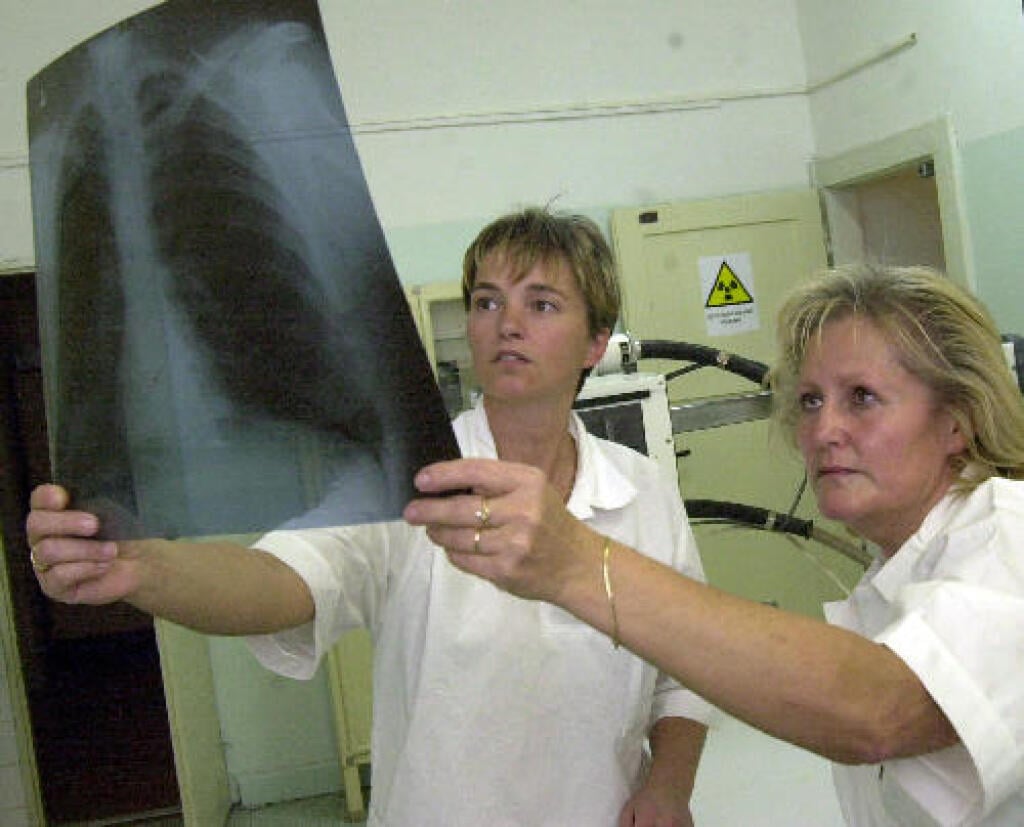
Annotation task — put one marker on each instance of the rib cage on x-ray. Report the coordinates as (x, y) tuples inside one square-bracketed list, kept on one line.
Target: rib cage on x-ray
[(232, 342), (90, 292), (239, 268)]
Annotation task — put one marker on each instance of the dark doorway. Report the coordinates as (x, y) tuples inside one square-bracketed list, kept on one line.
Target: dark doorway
[(92, 674)]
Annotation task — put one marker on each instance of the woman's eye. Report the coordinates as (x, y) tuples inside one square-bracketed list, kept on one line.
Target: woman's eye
[(810, 401), (485, 303), (862, 396), (545, 306)]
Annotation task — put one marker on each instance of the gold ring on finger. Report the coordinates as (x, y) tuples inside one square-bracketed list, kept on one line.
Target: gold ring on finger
[(42, 568), (483, 513)]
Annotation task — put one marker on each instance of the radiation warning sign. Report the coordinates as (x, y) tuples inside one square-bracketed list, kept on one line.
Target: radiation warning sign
[(727, 289)]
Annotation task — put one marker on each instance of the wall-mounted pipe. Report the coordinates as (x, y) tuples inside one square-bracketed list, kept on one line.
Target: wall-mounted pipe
[(568, 112)]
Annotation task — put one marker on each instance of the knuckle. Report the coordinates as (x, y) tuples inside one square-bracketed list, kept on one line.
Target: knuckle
[(32, 524)]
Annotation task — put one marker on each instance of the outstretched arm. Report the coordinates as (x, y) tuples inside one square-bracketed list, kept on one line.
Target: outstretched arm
[(215, 588), (799, 679)]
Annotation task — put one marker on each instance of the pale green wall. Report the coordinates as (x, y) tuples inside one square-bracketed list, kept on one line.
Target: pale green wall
[(994, 190), (278, 733), (433, 252)]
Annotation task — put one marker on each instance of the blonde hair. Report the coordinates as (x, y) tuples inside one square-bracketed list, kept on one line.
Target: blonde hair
[(942, 335), (535, 235)]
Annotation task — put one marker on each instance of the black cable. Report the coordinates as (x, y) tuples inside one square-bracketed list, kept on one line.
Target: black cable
[(748, 515), (675, 374), (756, 372), (799, 495), (763, 519)]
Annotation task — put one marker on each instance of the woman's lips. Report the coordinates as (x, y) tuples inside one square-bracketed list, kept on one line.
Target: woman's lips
[(834, 471), (510, 356)]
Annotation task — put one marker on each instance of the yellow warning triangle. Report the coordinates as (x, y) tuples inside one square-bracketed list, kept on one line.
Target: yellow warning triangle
[(728, 289)]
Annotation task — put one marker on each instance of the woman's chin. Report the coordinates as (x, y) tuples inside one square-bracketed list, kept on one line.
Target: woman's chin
[(836, 506)]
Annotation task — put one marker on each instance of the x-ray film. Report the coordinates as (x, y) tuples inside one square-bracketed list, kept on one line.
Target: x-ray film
[(226, 345)]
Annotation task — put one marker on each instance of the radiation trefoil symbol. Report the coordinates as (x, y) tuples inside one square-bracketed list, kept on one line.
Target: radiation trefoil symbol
[(728, 290)]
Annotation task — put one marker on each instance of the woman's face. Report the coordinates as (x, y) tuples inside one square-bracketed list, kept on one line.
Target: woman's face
[(876, 446), (530, 337)]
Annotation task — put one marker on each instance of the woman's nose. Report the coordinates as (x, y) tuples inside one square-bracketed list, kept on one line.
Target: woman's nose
[(830, 423), (511, 322)]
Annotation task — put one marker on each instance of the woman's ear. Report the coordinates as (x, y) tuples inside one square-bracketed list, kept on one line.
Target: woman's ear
[(598, 345), (956, 441)]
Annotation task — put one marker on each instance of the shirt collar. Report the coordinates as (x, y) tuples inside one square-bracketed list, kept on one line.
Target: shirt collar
[(898, 570), (599, 484)]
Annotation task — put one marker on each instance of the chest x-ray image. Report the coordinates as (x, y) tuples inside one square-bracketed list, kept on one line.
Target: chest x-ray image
[(226, 345)]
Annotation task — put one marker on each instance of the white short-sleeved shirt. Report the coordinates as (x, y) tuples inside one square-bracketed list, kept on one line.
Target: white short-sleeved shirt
[(950, 603), (489, 709)]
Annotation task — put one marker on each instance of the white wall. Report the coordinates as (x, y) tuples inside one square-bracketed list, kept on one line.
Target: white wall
[(546, 63), (968, 63), (33, 35), (457, 59), (967, 66)]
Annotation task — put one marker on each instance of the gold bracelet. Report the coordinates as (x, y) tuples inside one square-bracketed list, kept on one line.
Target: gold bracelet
[(609, 592)]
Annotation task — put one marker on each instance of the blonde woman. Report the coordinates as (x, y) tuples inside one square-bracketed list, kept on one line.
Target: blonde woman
[(894, 387)]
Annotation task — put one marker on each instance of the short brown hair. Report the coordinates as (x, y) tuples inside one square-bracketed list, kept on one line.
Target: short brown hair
[(535, 235)]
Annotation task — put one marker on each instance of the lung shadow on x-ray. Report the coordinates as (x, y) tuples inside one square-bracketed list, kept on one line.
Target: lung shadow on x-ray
[(226, 344)]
